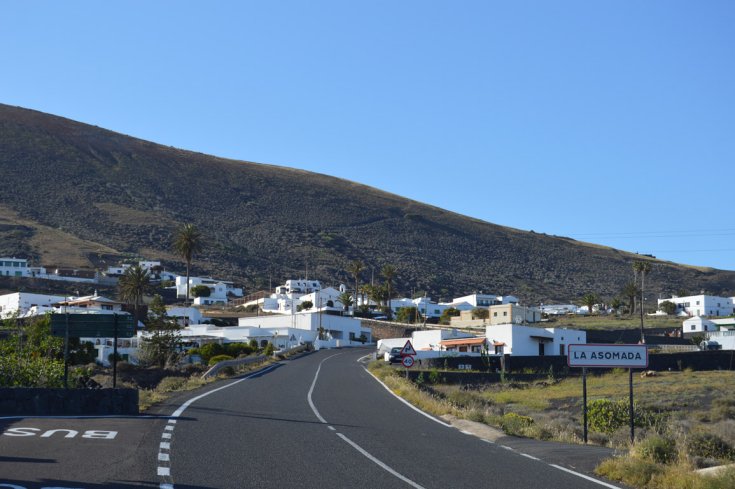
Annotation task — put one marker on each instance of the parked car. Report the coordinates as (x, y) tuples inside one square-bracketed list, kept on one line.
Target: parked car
[(394, 355)]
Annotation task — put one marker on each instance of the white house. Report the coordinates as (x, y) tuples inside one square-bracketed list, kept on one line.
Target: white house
[(18, 267), (338, 330), (699, 324), (515, 339), (220, 290), (21, 304), (702, 305), (558, 309), (486, 300)]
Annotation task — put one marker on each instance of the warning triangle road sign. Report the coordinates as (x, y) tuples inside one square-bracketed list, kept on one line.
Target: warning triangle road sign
[(408, 349)]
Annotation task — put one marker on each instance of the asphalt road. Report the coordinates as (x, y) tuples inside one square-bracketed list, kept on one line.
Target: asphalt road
[(318, 421)]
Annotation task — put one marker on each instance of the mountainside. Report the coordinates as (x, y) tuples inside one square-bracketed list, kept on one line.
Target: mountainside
[(77, 195)]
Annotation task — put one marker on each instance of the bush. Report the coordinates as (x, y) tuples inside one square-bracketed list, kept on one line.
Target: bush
[(201, 291), (606, 416), (656, 449), (219, 358), (269, 349), (237, 349), (708, 445), (170, 384), (515, 424)]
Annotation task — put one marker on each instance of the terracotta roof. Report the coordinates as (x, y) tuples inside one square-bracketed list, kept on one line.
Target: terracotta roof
[(498, 343), (464, 341)]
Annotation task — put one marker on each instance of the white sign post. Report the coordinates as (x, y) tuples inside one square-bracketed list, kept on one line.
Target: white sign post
[(608, 356)]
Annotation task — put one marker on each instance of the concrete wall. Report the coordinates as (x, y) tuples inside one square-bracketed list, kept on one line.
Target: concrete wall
[(19, 401)]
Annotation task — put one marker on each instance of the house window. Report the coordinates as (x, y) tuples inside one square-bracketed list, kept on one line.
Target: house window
[(697, 302), (499, 350), (692, 327), (561, 349), (495, 314), (463, 348), (505, 313), (106, 307)]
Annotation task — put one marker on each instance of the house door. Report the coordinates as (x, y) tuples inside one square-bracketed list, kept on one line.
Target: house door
[(540, 349)]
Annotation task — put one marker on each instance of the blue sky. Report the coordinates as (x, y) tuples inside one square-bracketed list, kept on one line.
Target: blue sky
[(607, 121)]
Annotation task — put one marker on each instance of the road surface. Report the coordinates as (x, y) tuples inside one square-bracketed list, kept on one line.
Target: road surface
[(318, 421)]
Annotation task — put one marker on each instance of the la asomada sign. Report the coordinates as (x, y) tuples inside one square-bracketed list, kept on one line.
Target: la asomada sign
[(608, 356)]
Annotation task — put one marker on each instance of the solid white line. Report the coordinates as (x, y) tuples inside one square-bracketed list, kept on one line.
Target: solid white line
[(165, 445), (408, 403), (164, 457), (466, 432), (530, 456), (164, 471), (488, 441), (188, 403), (347, 440), (591, 479), (379, 463)]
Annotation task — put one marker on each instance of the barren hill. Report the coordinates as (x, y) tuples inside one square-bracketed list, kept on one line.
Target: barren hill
[(77, 195)]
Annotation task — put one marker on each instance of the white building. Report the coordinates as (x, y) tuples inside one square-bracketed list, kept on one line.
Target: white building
[(702, 305), (219, 290), (558, 309), (22, 303), (18, 267), (338, 330), (514, 339), (486, 300), (699, 325), (287, 298)]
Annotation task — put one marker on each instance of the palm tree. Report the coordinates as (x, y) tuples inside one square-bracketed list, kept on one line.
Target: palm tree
[(645, 267), (630, 291), (133, 285), (354, 269), (346, 299), (388, 272), (590, 300), (188, 242)]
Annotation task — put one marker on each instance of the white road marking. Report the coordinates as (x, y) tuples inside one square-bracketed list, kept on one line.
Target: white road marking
[(466, 432), (530, 456), (166, 471), (104, 416), (408, 403), (488, 441), (380, 463), (163, 457), (332, 428), (508, 448), (354, 445), (591, 479)]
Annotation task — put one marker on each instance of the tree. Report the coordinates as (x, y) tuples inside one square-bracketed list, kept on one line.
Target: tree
[(590, 300), (480, 313), (616, 304), (132, 286), (188, 242), (388, 272), (668, 307), (630, 292), (201, 291), (304, 306), (162, 345), (354, 269), (408, 314), (642, 267), (346, 299), (447, 314)]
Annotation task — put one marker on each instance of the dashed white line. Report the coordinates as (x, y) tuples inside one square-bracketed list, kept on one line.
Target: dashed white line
[(354, 445), (591, 479), (164, 445), (530, 456)]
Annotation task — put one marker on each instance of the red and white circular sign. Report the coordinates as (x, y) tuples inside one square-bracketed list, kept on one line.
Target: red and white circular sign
[(407, 361)]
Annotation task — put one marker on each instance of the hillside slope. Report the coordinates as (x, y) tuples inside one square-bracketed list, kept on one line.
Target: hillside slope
[(118, 194)]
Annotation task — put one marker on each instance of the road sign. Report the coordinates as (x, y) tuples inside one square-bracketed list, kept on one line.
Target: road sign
[(93, 325), (407, 361), (608, 356), (407, 349)]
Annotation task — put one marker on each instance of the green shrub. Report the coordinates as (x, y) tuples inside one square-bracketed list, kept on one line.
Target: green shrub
[(237, 349), (708, 445), (219, 358), (434, 377), (606, 416), (515, 424), (210, 350), (269, 349), (656, 449)]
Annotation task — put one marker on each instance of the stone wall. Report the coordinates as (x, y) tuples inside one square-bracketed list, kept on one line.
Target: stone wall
[(19, 401)]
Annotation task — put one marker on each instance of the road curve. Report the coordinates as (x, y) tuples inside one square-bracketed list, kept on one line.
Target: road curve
[(317, 421)]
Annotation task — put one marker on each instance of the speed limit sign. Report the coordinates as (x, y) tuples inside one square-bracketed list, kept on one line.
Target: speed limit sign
[(407, 361)]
